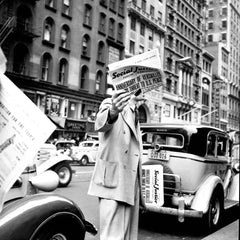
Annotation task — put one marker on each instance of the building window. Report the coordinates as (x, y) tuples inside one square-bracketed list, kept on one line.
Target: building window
[(224, 23), (64, 37), (112, 5), (84, 77), (210, 13), (51, 3), (100, 53), (62, 77), (141, 49), (133, 23), (46, 67), (121, 7), (99, 79), (169, 85), (132, 47), (86, 46), (210, 38), (160, 16), (120, 32), (224, 11), (151, 34), (102, 23), (66, 7), (103, 2), (111, 28), (224, 36), (169, 64), (88, 15), (143, 5), (152, 10), (210, 25), (48, 31), (142, 29)]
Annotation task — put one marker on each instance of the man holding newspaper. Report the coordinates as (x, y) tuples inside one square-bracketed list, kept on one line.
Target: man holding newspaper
[(116, 178)]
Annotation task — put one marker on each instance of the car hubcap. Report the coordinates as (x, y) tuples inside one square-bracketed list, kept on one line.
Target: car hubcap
[(215, 212), (64, 174), (58, 236)]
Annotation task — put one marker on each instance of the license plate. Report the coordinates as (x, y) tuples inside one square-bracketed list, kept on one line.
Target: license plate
[(161, 155)]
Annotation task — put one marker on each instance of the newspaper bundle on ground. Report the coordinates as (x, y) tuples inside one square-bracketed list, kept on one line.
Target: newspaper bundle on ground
[(138, 72), (152, 186), (23, 129)]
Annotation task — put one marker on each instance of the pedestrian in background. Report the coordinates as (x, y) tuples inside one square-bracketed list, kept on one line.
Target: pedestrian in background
[(116, 176)]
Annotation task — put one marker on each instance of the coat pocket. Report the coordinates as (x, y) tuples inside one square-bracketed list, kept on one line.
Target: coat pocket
[(106, 174), (111, 174)]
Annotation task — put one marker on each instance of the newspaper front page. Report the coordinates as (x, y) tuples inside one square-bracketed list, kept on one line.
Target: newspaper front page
[(23, 129), (138, 72)]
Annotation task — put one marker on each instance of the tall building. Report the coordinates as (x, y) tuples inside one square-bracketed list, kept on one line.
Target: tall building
[(145, 30), (222, 31), (206, 98), (57, 53), (183, 61)]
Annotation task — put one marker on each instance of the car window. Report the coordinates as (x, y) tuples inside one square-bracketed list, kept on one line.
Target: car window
[(211, 145), (163, 139), (221, 146)]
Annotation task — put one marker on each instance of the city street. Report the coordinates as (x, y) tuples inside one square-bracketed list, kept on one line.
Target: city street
[(152, 226)]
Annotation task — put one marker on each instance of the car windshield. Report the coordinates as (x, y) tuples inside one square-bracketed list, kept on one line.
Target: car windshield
[(163, 139)]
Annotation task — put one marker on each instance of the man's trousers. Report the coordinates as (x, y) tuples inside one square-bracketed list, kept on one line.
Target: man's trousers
[(118, 220)]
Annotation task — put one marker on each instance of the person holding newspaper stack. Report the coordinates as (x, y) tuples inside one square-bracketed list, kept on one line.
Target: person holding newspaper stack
[(116, 176)]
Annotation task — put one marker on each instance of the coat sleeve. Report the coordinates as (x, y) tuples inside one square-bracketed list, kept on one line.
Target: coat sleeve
[(101, 123)]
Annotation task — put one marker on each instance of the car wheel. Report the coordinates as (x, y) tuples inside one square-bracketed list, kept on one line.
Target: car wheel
[(214, 214), (84, 160), (57, 230), (64, 172)]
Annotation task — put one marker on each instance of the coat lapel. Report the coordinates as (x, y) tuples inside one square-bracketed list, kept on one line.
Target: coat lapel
[(127, 115)]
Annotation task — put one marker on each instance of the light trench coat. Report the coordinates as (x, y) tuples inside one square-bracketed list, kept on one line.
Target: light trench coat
[(118, 164)]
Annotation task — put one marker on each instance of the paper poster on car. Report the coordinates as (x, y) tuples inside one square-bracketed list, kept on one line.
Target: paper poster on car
[(152, 186), (138, 72)]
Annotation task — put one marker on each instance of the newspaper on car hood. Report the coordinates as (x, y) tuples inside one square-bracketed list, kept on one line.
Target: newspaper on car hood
[(142, 72)]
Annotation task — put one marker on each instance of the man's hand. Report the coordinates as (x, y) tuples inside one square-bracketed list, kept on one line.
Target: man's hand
[(119, 101)]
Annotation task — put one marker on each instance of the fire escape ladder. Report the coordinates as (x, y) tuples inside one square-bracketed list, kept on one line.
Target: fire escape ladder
[(6, 29)]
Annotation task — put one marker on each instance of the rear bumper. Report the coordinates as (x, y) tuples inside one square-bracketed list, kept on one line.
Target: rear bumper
[(181, 213)]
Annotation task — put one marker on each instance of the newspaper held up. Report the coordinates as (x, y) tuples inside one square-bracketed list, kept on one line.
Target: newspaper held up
[(152, 186), (138, 72), (23, 129)]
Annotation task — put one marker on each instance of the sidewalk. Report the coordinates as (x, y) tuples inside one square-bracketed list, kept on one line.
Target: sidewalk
[(230, 232)]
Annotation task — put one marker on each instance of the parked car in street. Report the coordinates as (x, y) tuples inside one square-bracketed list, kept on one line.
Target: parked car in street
[(64, 146), (49, 158), (199, 179), (86, 152), (27, 214)]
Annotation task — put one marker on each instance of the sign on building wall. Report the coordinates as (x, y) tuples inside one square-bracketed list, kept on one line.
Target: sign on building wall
[(113, 54)]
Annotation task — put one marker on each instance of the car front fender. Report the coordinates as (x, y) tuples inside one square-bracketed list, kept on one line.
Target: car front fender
[(52, 162), (233, 193), (204, 193), (20, 219)]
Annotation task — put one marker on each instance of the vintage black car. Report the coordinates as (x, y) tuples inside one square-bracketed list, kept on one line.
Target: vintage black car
[(29, 215), (200, 179)]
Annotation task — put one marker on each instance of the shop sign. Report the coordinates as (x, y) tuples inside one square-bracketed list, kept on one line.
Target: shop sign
[(75, 125)]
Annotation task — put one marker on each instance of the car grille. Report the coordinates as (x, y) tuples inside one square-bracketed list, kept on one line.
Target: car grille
[(172, 184)]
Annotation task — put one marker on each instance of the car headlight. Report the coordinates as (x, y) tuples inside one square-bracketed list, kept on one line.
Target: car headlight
[(236, 167)]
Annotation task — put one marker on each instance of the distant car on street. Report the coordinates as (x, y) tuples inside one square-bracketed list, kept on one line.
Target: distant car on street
[(28, 214), (199, 178), (48, 157), (86, 152)]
